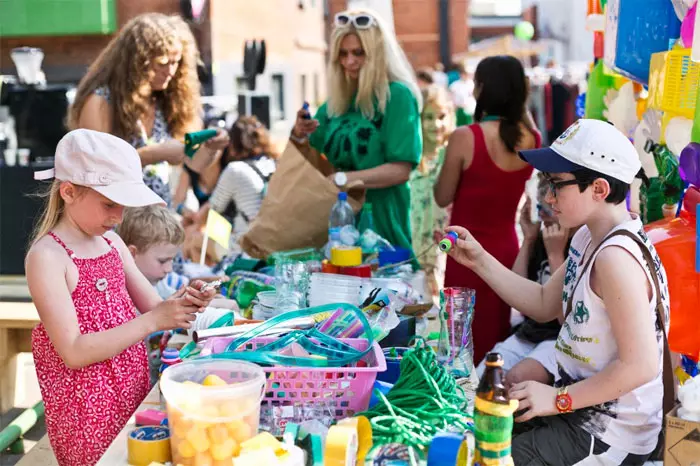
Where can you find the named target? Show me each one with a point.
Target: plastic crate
(673, 83)
(635, 30)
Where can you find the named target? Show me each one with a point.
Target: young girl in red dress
(89, 348)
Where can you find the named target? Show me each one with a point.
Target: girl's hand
(530, 230)
(208, 152)
(555, 238)
(218, 142)
(535, 398)
(467, 251)
(178, 311)
(199, 294)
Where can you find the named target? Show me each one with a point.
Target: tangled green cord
(425, 400)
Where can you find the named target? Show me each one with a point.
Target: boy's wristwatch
(563, 400)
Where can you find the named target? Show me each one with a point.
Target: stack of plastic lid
(330, 289)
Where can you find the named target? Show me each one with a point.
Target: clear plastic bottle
(341, 215)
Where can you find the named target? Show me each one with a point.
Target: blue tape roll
(444, 449)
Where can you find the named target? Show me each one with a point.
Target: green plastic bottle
(366, 221)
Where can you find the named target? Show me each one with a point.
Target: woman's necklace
(490, 118)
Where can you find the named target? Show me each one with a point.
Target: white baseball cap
(103, 162)
(593, 144)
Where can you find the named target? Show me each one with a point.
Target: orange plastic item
(674, 241)
(594, 7)
(327, 267)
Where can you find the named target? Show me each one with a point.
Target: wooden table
(116, 455)
(18, 317)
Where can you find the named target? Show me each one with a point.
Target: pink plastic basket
(347, 389)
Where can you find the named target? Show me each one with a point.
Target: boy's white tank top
(586, 345)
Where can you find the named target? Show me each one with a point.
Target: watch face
(341, 179)
(563, 402)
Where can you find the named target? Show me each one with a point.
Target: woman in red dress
(484, 179)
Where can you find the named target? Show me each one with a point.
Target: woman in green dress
(369, 129)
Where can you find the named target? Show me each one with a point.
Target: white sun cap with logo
(593, 144)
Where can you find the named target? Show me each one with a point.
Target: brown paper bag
(295, 211)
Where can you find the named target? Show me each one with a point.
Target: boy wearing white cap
(612, 296)
(89, 349)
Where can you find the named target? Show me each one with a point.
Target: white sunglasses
(361, 21)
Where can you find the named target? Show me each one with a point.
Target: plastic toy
(448, 241)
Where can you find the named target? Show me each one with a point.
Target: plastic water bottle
(341, 215)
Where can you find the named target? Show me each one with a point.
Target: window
(241, 84)
(277, 97)
(496, 8)
(317, 91)
(302, 82)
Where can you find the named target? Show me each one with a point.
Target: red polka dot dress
(86, 408)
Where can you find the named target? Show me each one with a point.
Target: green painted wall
(57, 17)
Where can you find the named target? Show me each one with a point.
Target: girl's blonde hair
(53, 209)
(385, 62)
(124, 67)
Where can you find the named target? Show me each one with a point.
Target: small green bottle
(366, 219)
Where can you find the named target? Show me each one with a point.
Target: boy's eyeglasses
(554, 186)
(361, 21)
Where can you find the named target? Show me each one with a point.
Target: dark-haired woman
(484, 179)
(239, 183)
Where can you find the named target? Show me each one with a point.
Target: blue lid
(342, 196)
(444, 449)
(387, 256)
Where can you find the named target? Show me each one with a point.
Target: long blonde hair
(385, 62)
(124, 67)
(53, 209)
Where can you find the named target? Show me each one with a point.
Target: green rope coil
(425, 400)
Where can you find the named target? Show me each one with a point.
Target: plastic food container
(213, 406)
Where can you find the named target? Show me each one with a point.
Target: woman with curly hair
(144, 88)
(369, 129)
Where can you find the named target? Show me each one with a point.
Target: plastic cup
(209, 423)
(10, 157)
(23, 156)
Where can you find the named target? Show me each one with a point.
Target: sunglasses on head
(361, 21)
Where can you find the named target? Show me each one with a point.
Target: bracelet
(180, 207)
(297, 139)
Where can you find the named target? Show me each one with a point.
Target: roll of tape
(444, 449)
(341, 446)
(364, 435)
(149, 444)
(346, 256)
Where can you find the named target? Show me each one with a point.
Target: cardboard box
(682, 441)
